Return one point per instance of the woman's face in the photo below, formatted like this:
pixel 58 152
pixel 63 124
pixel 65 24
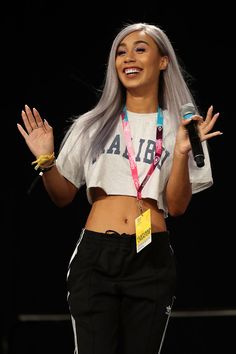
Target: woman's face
pixel 139 62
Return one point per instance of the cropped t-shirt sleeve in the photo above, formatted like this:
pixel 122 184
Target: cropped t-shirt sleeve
pixel 69 159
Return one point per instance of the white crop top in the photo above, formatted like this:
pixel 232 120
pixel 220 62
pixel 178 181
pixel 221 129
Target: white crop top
pixel 111 171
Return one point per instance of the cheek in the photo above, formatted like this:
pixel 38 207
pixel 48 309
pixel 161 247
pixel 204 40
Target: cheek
pixel 119 71
pixel 154 70
pixel 117 64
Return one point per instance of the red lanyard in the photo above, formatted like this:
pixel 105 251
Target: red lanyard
pixel 134 171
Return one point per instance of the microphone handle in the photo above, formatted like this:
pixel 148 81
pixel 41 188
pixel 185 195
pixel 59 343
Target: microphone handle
pixel 196 144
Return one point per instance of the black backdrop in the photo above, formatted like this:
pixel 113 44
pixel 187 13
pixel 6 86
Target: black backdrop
pixel 54 57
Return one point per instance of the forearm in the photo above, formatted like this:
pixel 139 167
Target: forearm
pixel 178 189
pixel 60 190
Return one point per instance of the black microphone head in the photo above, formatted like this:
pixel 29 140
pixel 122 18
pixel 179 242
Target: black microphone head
pixel 187 108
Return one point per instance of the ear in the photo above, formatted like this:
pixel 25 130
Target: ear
pixel 164 62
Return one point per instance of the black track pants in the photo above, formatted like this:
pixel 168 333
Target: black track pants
pixel 120 300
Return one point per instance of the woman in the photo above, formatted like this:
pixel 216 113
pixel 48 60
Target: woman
pixel 132 151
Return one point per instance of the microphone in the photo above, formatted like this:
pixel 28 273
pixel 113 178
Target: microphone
pixel 187 111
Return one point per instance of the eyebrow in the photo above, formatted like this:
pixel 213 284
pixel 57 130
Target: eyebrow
pixel 136 42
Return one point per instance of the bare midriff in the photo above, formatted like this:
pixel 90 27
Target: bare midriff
pixel 118 213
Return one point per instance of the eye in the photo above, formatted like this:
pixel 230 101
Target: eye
pixel 140 49
pixel 120 52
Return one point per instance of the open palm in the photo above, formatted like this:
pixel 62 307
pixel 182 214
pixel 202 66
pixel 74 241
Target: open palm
pixel 38 134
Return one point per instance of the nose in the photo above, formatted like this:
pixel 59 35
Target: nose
pixel 129 58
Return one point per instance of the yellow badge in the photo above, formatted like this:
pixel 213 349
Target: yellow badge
pixel 143 230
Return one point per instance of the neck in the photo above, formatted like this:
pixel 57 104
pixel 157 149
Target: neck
pixel 141 104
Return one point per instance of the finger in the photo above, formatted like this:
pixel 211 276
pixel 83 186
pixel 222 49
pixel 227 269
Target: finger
pixel 212 122
pixel 211 135
pixel 196 118
pixel 47 125
pixel 22 131
pixel 30 117
pixel 209 114
pixel 26 122
pixel 38 118
pixel 199 119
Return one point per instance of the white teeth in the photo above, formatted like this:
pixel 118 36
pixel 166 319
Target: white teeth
pixel 132 71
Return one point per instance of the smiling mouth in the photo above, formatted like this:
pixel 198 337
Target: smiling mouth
pixel 132 71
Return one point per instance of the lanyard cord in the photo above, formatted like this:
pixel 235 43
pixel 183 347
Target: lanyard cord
pixel 133 167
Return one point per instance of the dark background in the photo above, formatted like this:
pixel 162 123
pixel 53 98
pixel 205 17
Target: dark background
pixel 54 57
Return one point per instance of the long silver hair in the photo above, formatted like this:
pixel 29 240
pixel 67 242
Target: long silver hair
pixel 173 93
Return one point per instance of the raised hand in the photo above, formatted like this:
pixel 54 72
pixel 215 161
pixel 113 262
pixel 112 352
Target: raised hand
pixel 205 126
pixel 38 134
pixel 204 129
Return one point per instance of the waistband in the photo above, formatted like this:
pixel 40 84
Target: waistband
pixel 114 235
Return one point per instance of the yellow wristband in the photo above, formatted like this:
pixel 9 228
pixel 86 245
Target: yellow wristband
pixel 42 159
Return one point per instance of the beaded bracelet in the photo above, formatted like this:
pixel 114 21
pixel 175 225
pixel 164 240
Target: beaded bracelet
pixel 42 170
